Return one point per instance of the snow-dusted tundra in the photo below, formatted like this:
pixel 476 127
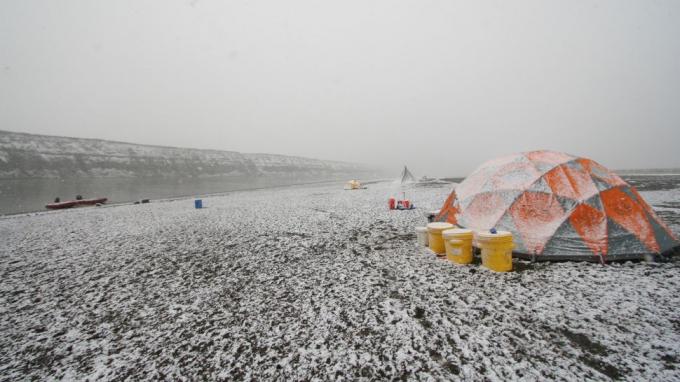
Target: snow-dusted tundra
pixel 312 283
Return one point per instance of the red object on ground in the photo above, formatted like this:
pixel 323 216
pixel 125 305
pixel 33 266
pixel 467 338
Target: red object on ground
pixel 406 203
pixel 61 205
pixel 89 202
pixel 392 203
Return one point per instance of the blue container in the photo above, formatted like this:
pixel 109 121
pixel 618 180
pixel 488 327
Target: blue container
pixel 198 203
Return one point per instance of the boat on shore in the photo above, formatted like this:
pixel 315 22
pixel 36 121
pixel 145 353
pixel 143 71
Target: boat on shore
pixel 90 202
pixel 74 203
pixel 61 205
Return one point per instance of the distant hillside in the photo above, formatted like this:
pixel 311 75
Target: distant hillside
pixel 39 156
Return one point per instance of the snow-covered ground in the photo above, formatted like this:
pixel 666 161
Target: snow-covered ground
pixel 313 282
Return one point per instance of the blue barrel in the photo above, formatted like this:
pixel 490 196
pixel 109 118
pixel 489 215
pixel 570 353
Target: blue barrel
pixel 198 203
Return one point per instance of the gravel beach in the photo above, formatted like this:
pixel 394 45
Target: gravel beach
pixel 315 283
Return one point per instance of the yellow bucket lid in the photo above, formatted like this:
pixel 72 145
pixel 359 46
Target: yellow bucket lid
pixel 492 235
pixel 439 226
pixel 458 233
pixel 498 236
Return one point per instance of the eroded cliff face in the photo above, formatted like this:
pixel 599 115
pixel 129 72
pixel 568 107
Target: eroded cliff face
pixel 38 156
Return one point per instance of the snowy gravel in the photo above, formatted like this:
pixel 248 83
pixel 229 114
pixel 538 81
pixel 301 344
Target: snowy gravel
pixel 312 283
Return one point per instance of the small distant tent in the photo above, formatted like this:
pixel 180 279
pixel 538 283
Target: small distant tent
pixel 406 176
pixel 559 207
pixel 353 185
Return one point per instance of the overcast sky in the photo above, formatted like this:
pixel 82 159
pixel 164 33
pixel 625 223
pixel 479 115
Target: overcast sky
pixel 438 85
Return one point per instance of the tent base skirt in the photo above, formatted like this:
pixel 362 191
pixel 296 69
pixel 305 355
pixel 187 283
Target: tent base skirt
pixel 596 259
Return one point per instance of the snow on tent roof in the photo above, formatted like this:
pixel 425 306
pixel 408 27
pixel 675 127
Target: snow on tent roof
pixel 406 176
pixel 558 207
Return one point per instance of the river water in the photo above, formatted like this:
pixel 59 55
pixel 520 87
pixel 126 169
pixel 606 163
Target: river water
pixel 28 195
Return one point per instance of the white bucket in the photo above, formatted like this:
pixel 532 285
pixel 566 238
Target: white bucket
pixel 421 233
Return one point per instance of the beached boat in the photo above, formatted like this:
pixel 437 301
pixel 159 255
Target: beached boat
pixel 75 203
pixel 61 205
pixel 90 202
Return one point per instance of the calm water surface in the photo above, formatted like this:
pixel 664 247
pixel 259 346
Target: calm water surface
pixel 28 195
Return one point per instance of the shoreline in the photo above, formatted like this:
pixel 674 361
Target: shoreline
pixel 185 196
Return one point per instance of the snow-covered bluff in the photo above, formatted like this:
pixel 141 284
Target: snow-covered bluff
pixel 39 156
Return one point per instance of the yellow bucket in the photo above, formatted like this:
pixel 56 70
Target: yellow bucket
pixel 496 250
pixel 458 244
pixel 434 236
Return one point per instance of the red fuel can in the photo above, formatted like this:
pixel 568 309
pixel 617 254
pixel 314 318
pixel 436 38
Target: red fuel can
pixel 392 203
pixel 407 203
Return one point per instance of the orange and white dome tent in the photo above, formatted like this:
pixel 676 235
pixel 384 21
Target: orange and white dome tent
pixel 558 207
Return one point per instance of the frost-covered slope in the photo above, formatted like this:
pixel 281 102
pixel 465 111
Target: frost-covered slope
pixel 28 155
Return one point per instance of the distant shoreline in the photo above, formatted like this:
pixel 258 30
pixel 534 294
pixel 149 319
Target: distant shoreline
pixel 182 196
pixel 650 174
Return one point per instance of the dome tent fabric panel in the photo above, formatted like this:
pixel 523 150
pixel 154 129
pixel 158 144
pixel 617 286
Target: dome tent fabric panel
pixel 624 245
pixel 590 225
pixel 631 216
pixel 537 216
pixel 479 215
pixel 558 206
pixel 663 237
pixel 570 182
pixel 568 239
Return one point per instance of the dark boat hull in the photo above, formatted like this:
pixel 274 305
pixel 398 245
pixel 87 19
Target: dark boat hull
pixel 90 202
pixel 61 205
pixel 75 203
